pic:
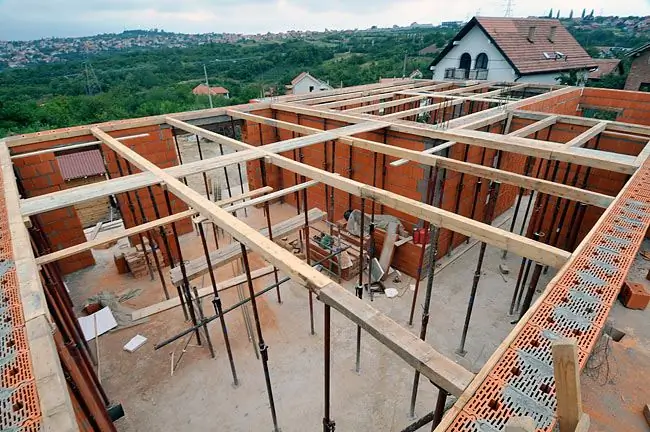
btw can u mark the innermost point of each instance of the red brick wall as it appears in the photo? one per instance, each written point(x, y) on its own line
point(40, 175)
point(159, 148)
point(408, 180)
point(634, 105)
point(639, 72)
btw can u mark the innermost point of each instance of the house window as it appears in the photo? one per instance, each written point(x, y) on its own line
point(481, 61)
point(311, 89)
point(465, 63)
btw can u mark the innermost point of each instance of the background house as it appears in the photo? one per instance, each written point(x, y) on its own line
point(639, 76)
point(203, 89)
point(512, 49)
point(306, 83)
point(606, 67)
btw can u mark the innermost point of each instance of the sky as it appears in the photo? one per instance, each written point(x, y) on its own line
point(34, 19)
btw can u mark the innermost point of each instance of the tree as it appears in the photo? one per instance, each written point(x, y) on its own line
point(571, 14)
point(558, 15)
point(584, 11)
point(550, 13)
point(591, 15)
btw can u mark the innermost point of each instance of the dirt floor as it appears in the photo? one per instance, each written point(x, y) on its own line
point(200, 395)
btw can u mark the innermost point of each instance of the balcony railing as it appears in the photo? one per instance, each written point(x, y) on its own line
point(463, 74)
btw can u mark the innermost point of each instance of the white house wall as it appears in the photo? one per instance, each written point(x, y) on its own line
point(474, 43)
point(302, 87)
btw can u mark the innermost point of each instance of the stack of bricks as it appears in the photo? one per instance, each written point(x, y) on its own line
point(139, 263)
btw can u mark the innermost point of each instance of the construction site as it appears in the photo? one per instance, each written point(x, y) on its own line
point(399, 256)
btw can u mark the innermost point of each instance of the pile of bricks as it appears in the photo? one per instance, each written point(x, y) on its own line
point(137, 261)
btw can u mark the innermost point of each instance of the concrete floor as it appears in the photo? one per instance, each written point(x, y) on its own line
point(200, 396)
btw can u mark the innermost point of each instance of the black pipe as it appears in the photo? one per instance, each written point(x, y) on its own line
point(488, 214)
point(527, 168)
point(531, 290)
point(241, 178)
point(433, 250)
point(263, 348)
point(459, 190)
point(308, 255)
point(359, 287)
point(328, 423)
point(181, 263)
point(207, 191)
point(178, 151)
point(236, 305)
point(199, 311)
point(440, 408)
point(218, 308)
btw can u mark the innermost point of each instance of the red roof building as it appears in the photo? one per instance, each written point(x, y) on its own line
point(203, 89)
point(82, 164)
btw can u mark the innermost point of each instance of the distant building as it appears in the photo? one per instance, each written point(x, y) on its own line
point(202, 89)
point(606, 67)
point(512, 49)
point(639, 76)
point(306, 83)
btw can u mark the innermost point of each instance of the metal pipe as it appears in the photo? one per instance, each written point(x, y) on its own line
point(199, 311)
point(527, 167)
point(218, 307)
point(431, 185)
point(459, 189)
point(235, 306)
point(440, 408)
point(181, 263)
point(419, 423)
point(207, 191)
point(269, 227)
point(531, 290)
point(135, 220)
point(433, 250)
point(150, 239)
point(359, 287)
point(241, 178)
point(308, 254)
point(260, 337)
point(328, 423)
point(488, 214)
point(178, 152)
point(165, 240)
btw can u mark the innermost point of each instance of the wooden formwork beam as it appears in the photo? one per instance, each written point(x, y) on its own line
point(439, 369)
point(584, 137)
point(544, 186)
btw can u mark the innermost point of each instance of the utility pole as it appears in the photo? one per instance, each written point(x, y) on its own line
point(207, 84)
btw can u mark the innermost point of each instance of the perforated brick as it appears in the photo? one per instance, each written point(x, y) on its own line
point(15, 370)
point(18, 406)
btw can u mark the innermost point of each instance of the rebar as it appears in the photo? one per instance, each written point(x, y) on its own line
point(359, 287)
point(207, 191)
point(308, 255)
point(328, 423)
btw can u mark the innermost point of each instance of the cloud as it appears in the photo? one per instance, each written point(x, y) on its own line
point(30, 19)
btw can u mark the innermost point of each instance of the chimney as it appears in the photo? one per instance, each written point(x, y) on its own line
point(551, 34)
point(531, 33)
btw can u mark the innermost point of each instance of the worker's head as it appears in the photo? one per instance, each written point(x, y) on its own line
point(347, 214)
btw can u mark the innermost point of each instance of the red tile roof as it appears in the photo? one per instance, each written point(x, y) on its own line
point(511, 36)
point(202, 89)
point(605, 66)
point(81, 164)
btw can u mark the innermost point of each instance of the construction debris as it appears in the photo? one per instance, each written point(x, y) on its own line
point(136, 342)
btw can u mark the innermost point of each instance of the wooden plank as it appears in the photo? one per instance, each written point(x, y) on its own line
point(274, 195)
point(71, 147)
point(203, 292)
point(545, 186)
point(388, 104)
point(448, 375)
point(360, 91)
point(584, 137)
point(584, 423)
point(433, 365)
point(73, 250)
point(388, 248)
point(566, 370)
point(380, 96)
point(198, 267)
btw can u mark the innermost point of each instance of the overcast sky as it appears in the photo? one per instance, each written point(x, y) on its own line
point(33, 19)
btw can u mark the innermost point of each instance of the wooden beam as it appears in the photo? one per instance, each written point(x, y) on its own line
point(584, 137)
point(379, 97)
point(355, 92)
point(614, 126)
point(566, 370)
point(392, 103)
point(548, 187)
point(274, 195)
point(71, 147)
point(440, 370)
point(73, 250)
point(68, 197)
point(198, 267)
point(521, 424)
point(203, 292)
point(641, 158)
